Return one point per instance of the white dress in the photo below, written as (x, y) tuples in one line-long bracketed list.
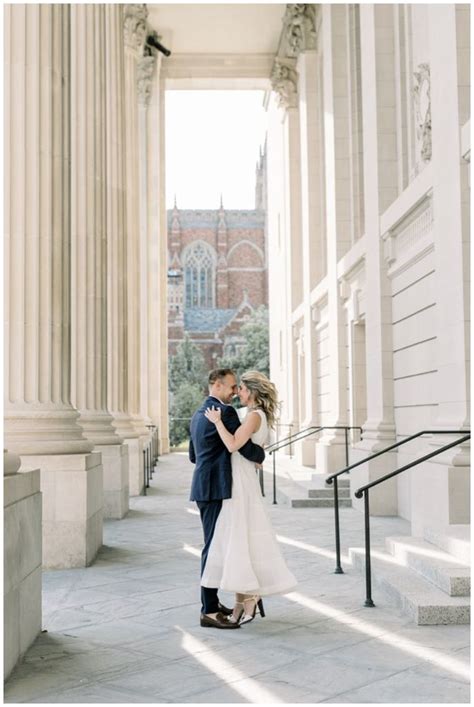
[(244, 555)]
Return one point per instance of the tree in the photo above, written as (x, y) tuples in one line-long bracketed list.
[(186, 365), (254, 355), (187, 384), (186, 400)]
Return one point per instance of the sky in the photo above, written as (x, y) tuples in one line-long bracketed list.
[(212, 147)]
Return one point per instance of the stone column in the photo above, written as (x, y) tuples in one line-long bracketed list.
[(89, 249), (449, 474), (311, 235), (380, 184), (135, 28), (285, 84), (40, 421), (157, 261)]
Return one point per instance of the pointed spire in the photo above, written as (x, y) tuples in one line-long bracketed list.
[(221, 204), (175, 204)]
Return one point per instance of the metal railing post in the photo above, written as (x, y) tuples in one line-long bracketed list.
[(347, 445), (260, 478), (144, 472), (338, 569), (368, 575), (291, 442), (274, 481)]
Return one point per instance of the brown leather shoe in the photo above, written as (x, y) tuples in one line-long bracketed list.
[(224, 609), (220, 621)]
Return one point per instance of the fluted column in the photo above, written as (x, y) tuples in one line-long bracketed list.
[(40, 421), (155, 394), (135, 28), (89, 249)]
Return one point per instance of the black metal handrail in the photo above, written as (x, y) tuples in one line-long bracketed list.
[(349, 467), (308, 432), (364, 490), (291, 438)]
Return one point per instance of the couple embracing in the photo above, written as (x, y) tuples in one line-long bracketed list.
[(240, 552)]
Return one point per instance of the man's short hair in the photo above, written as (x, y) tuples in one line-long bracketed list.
[(219, 374)]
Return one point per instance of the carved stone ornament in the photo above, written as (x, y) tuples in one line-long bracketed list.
[(284, 80), (145, 68), (134, 25), (422, 98), (300, 28)]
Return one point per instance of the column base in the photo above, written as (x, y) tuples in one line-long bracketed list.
[(330, 452), (440, 496), (22, 558), (72, 488), (136, 481), (164, 443), (116, 479), (305, 452)]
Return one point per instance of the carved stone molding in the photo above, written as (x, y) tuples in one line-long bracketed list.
[(135, 25), (284, 80), (422, 98), (145, 68), (300, 28)]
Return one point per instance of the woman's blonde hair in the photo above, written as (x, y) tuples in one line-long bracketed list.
[(263, 392)]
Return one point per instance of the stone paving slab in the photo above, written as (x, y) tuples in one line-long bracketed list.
[(126, 630)]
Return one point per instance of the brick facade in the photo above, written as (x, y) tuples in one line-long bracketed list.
[(217, 275)]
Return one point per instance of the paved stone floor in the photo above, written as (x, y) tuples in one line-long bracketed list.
[(126, 630)]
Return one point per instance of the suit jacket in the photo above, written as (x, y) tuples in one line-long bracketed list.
[(212, 478)]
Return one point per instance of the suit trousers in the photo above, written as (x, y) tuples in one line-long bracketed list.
[(209, 511)]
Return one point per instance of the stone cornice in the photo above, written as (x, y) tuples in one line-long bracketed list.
[(135, 25)]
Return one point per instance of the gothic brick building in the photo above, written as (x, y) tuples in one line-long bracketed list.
[(217, 273)]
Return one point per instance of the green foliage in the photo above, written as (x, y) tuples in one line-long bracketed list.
[(187, 398), (187, 365), (187, 386), (254, 355)]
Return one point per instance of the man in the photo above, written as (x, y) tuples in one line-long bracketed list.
[(212, 479)]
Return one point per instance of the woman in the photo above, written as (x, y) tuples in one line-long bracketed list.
[(244, 556)]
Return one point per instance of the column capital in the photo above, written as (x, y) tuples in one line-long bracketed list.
[(284, 80), (422, 99), (135, 25), (11, 463), (145, 68), (299, 28)]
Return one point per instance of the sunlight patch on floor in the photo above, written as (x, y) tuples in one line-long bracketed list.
[(192, 550), (443, 661), (225, 671), (323, 552)]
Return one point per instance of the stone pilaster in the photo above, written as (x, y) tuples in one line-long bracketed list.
[(89, 249), (41, 425), (448, 474), (378, 97), (330, 451)]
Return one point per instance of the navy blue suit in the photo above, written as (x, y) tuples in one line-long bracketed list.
[(212, 478)]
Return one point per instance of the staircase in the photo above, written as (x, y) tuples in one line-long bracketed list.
[(320, 495), (429, 577), (299, 487)]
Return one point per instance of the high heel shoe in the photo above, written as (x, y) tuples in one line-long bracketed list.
[(237, 612), (257, 604)]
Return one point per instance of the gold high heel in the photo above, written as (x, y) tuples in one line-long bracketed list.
[(257, 603)]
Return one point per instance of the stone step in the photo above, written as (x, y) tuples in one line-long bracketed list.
[(319, 503), (423, 602), (438, 567), (343, 481), (329, 493), (454, 539)]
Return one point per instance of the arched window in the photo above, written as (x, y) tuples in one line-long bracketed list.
[(199, 273)]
